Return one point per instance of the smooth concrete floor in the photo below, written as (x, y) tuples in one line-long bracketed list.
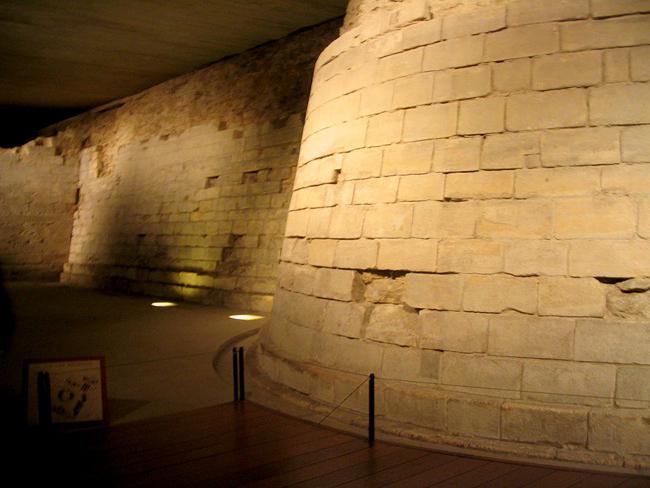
[(158, 360)]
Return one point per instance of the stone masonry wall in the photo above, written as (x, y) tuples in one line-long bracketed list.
[(185, 187), (37, 200), (471, 221)]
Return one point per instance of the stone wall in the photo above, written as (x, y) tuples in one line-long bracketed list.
[(185, 187), (38, 191), (471, 221)]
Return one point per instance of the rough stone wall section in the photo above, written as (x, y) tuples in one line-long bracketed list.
[(185, 187), (38, 191), (471, 222)]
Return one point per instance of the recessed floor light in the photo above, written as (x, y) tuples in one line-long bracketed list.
[(163, 304), (246, 317)]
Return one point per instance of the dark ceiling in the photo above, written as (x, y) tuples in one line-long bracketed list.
[(61, 57)]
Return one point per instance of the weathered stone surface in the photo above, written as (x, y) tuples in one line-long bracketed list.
[(626, 179), (634, 285), (508, 151), (521, 42), (636, 144), (577, 147), (403, 363), (385, 128), (620, 103), (623, 431), (462, 83), (438, 292), (398, 65), (536, 258), (431, 121), (321, 252), (533, 337), (473, 417), (343, 318), (413, 91), (346, 222), (388, 221), (408, 159), (385, 290), (482, 20), (497, 293), (337, 284), (436, 219), (476, 372), (415, 188), (632, 385), (605, 8), (515, 220), (597, 218), (635, 306), (392, 324), (356, 254), (470, 256), (417, 407), (571, 297), (578, 36), (454, 53), (457, 154), (510, 76), (566, 70), (612, 342), (546, 110), (454, 331), (479, 185), (376, 190), (615, 259), (364, 163), (536, 11), (557, 182), (408, 254), (536, 423), (481, 116)]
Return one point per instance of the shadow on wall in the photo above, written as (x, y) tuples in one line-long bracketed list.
[(7, 322)]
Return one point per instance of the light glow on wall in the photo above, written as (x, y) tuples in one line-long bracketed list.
[(164, 304), (246, 317)]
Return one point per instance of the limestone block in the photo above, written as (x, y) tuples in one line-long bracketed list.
[(376, 190), (408, 159), (598, 34), (347, 354), (332, 113), (626, 179), (418, 407), (421, 187), (636, 144), (407, 254), (480, 185), (339, 138), (473, 417), (515, 219), (303, 279), (537, 11), (565, 381), (611, 342), (470, 256), (561, 108), (457, 154), (343, 318), (403, 363), (462, 83), (557, 182), (536, 257), (617, 65), (606, 8), (620, 103), (508, 151), (453, 331), (634, 285), (321, 252), (346, 222), (437, 292), (632, 385), (430, 364), (304, 310), (361, 164), (510, 76), (498, 293), (454, 53), (476, 22), (565, 70), (481, 115), (435, 219), (421, 33), (609, 258), (640, 63), (576, 147), (410, 12), (393, 324), (385, 290), (470, 371), (388, 221), (644, 218), (356, 254), (337, 284), (432, 121), (621, 430), (319, 221), (597, 218), (385, 128), (521, 42), (413, 90), (532, 337), (537, 423), (398, 65), (633, 306), (571, 297), (297, 223), (377, 98)]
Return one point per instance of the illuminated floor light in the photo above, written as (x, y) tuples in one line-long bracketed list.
[(246, 317), (163, 304)]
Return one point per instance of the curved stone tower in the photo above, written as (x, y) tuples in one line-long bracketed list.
[(471, 221)]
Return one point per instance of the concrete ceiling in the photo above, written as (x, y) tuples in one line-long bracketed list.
[(70, 54)]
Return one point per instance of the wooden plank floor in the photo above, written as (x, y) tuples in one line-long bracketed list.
[(247, 445)]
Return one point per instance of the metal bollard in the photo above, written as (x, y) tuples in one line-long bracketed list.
[(242, 388), (235, 375), (371, 409)]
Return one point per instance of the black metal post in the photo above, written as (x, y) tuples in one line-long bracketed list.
[(44, 399), (242, 388), (235, 375), (371, 409)]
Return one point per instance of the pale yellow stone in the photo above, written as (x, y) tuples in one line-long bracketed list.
[(474, 417), (621, 430), (392, 324), (388, 221), (627, 179), (476, 22), (633, 384), (593, 34), (407, 254), (343, 318), (536, 257), (532, 337), (385, 290), (346, 222), (644, 218), (521, 42), (640, 63), (421, 187), (356, 254), (537, 11), (605, 8), (515, 220), (337, 284), (480, 185), (457, 154), (560, 108), (617, 65), (465, 370), (454, 331), (597, 218), (319, 222), (636, 144), (557, 182), (602, 341), (407, 159), (511, 76), (541, 423), (462, 83), (361, 164), (508, 151), (398, 65), (377, 98), (321, 252), (421, 33), (566, 70), (498, 293), (437, 292), (620, 103), (385, 128), (609, 258), (464, 51), (481, 115), (297, 223), (413, 91), (435, 219), (577, 147), (376, 190), (433, 121), (339, 138), (470, 256)]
